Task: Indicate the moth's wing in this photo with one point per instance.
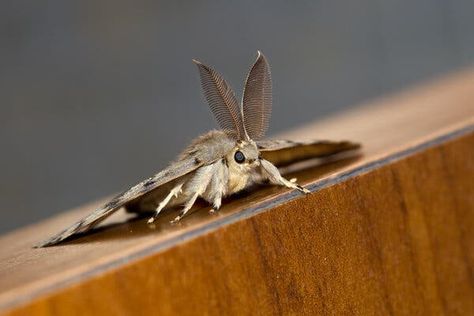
(285, 152)
(174, 171)
(257, 98)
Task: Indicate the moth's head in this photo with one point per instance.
(244, 154)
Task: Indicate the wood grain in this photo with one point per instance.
(388, 233)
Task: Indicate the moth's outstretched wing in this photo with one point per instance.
(174, 171)
(222, 101)
(257, 98)
(285, 152)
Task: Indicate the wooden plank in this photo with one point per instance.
(391, 232)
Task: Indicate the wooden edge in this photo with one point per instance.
(245, 213)
(46, 286)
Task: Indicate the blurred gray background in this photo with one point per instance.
(97, 95)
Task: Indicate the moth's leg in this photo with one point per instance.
(216, 204)
(173, 193)
(196, 186)
(273, 175)
(186, 208)
(217, 186)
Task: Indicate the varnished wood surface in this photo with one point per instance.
(390, 232)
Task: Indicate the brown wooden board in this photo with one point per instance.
(389, 232)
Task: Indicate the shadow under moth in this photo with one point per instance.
(220, 162)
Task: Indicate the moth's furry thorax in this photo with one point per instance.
(214, 143)
(217, 143)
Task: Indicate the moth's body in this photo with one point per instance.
(217, 180)
(219, 163)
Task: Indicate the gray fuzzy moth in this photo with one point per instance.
(220, 162)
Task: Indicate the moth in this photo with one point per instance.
(220, 162)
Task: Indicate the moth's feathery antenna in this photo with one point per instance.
(222, 101)
(257, 98)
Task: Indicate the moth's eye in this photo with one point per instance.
(239, 156)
